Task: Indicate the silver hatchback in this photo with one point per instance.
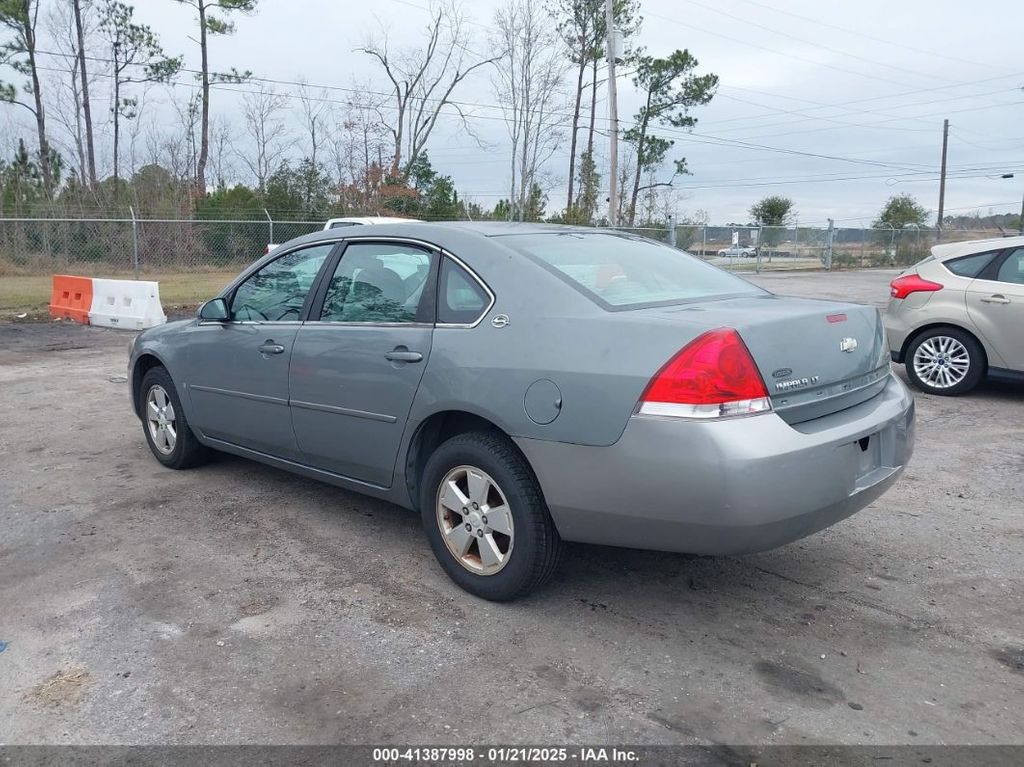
(958, 315)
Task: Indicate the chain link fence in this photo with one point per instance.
(118, 246)
(125, 246)
(767, 248)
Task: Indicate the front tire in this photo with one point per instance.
(486, 518)
(945, 361)
(163, 420)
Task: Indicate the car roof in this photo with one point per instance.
(426, 230)
(950, 250)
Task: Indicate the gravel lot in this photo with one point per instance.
(236, 603)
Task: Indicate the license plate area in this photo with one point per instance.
(868, 454)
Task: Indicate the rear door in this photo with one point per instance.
(238, 370)
(358, 361)
(995, 302)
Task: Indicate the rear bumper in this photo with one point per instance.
(898, 325)
(735, 486)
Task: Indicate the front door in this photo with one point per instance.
(238, 370)
(358, 361)
(995, 303)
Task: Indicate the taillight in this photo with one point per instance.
(903, 286)
(713, 376)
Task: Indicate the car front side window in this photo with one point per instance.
(277, 292)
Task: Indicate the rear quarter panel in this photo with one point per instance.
(600, 361)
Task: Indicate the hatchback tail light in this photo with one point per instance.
(713, 376)
(903, 286)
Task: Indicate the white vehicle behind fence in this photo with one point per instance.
(338, 223)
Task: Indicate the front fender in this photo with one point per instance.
(161, 346)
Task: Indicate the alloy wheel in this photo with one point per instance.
(475, 520)
(942, 362)
(161, 420)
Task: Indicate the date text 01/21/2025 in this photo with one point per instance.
(502, 754)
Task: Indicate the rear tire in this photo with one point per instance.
(164, 423)
(945, 361)
(500, 557)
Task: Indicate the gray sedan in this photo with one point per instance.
(524, 385)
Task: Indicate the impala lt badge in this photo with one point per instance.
(797, 383)
(848, 345)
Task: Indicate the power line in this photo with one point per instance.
(903, 45)
(827, 106)
(773, 30)
(463, 104)
(693, 136)
(880, 123)
(890, 118)
(741, 41)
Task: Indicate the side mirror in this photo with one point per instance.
(216, 309)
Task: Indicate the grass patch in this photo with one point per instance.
(30, 294)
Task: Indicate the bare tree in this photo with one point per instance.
(221, 136)
(213, 25)
(262, 109)
(135, 128)
(316, 118)
(180, 148)
(64, 101)
(358, 147)
(527, 82)
(423, 79)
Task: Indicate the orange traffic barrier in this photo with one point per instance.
(71, 298)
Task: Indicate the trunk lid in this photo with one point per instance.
(816, 357)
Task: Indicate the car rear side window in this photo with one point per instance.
(378, 282)
(620, 271)
(461, 299)
(969, 266)
(1012, 269)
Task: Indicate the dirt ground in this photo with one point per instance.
(236, 603)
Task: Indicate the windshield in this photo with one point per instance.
(621, 272)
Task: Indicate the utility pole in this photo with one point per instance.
(1021, 222)
(942, 175)
(613, 117)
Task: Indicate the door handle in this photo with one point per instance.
(996, 299)
(404, 355)
(269, 347)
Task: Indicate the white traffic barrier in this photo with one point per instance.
(126, 304)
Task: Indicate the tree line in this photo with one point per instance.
(117, 118)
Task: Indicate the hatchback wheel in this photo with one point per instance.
(486, 518)
(163, 419)
(945, 361)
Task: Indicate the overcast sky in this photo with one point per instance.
(865, 85)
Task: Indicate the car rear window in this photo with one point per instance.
(621, 271)
(969, 266)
